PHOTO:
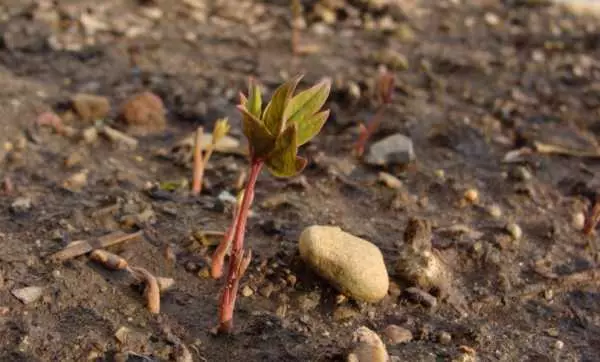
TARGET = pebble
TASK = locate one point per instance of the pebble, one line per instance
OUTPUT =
(515, 231)
(28, 294)
(471, 196)
(90, 107)
(444, 337)
(495, 211)
(247, 291)
(390, 180)
(267, 290)
(394, 149)
(144, 113)
(368, 347)
(578, 220)
(352, 265)
(396, 335)
(21, 205)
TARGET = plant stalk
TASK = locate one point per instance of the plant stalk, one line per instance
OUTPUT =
(367, 131)
(236, 260)
(198, 164)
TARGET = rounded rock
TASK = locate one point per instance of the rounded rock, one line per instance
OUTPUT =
(352, 265)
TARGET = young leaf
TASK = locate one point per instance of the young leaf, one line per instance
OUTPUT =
(310, 127)
(273, 115)
(307, 103)
(220, 130)
(260, 140)
(254, 103)
(282, 160)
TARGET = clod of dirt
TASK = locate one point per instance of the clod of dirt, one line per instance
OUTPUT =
(397, 335)
(368, 347)
(143, 114)
(90, 107)
(394, 149)
(21, 205)
(28, 294)
(352, 265)
(418, 263)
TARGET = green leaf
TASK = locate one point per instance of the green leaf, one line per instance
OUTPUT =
(261, 141)
(307, 102)
(273, 115)
(282, 161)
(310, 127)
(254, 103)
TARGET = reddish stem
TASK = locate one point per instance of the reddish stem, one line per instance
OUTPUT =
(367, 132)
(230, 292)
(198, 174)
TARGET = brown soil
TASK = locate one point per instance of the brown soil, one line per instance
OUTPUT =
(481, 80)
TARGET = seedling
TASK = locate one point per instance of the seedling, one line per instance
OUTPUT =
(219, 131)
(385, 90)
(274, 135)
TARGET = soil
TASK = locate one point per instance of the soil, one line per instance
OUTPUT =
(474, 81)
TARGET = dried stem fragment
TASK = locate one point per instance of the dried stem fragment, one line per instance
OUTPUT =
(109, 260)
(81, 247)
(152, 289)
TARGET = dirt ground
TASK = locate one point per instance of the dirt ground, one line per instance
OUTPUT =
(474, 82)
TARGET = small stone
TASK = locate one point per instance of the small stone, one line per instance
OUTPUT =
(21, 205)
(122, 333)
(396, 335)
(267, 290)
(394, 149)
(89, 135)
(578, 220)
(559, 344)
(76, 181)
(471, 196)
(552, 332)
(422, 297)
(352, 265)
(368, 347)
(491, 19)
(247, 291)
(515, 231)
(90, 107)
(495, 211)
(144, 113)
(390, 180)
(28, 294)
(444, 337)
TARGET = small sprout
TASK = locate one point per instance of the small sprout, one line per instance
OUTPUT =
(274, 133)
(220, 130)
(384, 92)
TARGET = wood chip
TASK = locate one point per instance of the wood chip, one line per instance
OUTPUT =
(81, 247)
